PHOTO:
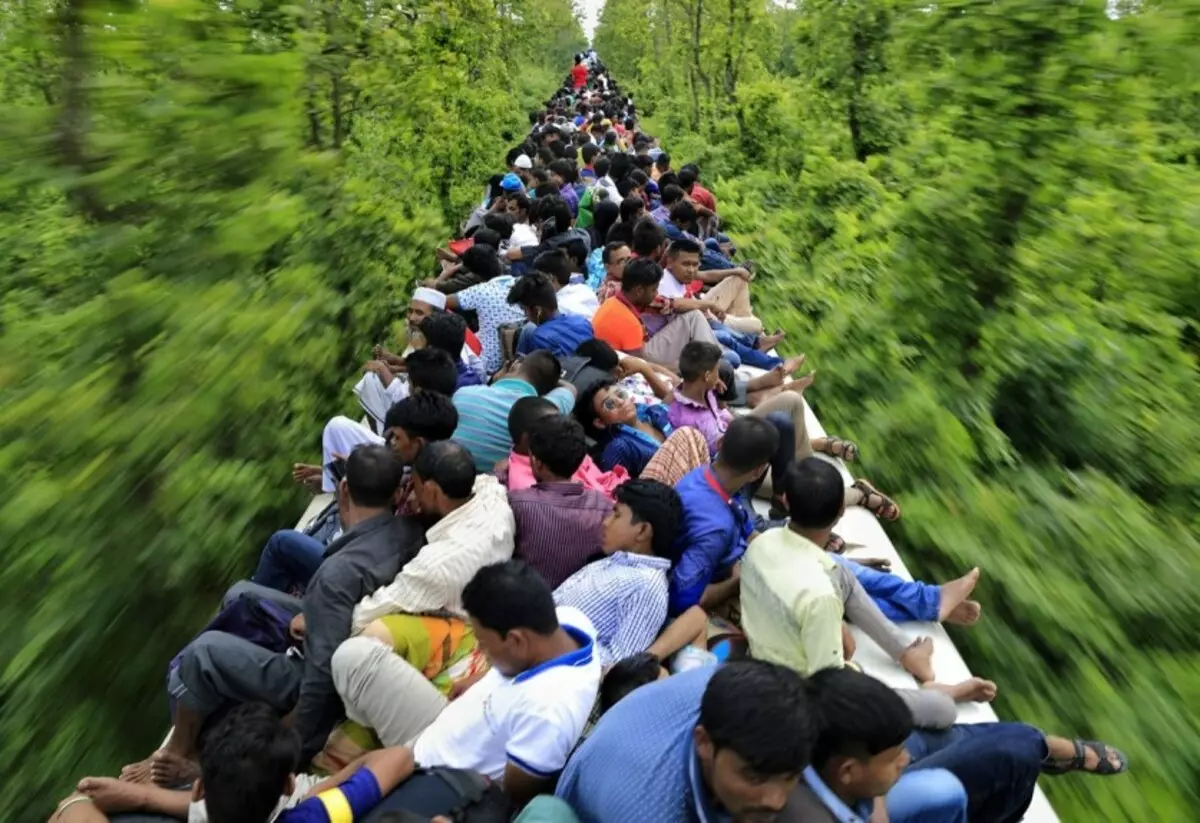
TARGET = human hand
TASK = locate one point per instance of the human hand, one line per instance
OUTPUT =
(745, 274)
(298, 628)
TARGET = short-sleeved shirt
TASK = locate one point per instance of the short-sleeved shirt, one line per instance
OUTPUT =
(490, 302)
(703, 196)
(791, 609)
(580, 299)
(708, 417)
(561, 335)
(640, 762)
(715, 528)
(345, 803)
(670, 287)
(618, 326)
(483, 417)
(532, 720)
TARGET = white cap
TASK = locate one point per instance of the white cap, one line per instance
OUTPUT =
(523, 162)
(431, 296)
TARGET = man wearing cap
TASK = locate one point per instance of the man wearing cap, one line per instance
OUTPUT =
(511, 183)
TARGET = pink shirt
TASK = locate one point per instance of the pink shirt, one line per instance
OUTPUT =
(708, 417)
(520, 475)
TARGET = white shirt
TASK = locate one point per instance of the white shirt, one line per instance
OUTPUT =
(476, 534)
(670, 287)
(523, 235)
(577, 298)
(532, 720)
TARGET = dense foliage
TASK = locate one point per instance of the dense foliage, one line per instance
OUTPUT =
(208, 213)
(982, 222)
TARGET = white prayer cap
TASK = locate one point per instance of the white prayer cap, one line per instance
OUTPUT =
(431, 296)
(523, 162)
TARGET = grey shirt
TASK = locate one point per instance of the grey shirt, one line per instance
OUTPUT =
(364, 558)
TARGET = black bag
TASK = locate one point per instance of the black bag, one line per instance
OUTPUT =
(325, 525)
(463, 796)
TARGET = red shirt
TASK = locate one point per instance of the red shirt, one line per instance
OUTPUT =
(579, 75)
(704, 197)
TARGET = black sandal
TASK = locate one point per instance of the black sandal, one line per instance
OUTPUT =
(838, 447)
(1078, 763)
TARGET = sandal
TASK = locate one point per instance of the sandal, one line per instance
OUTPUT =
(1078, 763)
(885, 508)
(837, 447)
(835, 544)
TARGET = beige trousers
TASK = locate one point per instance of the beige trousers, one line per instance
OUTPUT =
(666, 345)
(384, 692)
(732, 296)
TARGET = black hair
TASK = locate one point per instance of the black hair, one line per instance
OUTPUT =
(663, 161)
(749, 443)
(542, 369)
(555, 263)
(620, 165)
(644, 161)
(495, 189)
(539, 175)
(557, 208)
(670, 193)
(626, 675)
(245, 763)
(526, 413)
(648, 236)
(815, 492)
(691, 168)
(501, 224)
(604, 216)
(427, 415)
(533, 291)
(565, 150)
(640, 271)
(564, 169)
(485, 236)
(521, 199)
(599, 354)
(585, 407)
(687, 178)
(659, 505)
(609, 248)
(859, 716)
(698, 357)
(759, 711)
(510, 158)
(631, 208)
(481, 259)
(559, 443)
(683, 213)
(577, 255)
(373, 473)
(510, 595)
(445, 330)
(728, 376)
(589, 152)
(448, 464)
(669, 178)
(544, 190)
(431, 370)
(625, 187)
(683, 245)
(639, 177)
(545, 153)
(621, 233)
(602, 166)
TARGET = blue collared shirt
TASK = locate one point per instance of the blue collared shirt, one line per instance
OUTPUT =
(715, 529)
(560, 335)
(632, 448)
(859, 813)
(640, 763)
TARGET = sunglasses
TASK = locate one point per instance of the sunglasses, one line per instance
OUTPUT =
(615, 398)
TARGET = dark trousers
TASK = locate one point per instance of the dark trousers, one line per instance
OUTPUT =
(997, 763)
(288, 561)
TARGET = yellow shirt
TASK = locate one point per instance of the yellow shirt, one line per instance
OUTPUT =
(791, 609)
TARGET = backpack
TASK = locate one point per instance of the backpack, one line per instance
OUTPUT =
(325, 525)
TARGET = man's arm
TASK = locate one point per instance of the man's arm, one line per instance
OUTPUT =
(390, 767)
(714, 276)
(693, 573)
(717, 593)
(111, 796)
(563, 397)
(537, 749)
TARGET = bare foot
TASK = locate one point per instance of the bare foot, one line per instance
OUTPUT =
(917, 659)
(767, 342)
(138, 772)
(971, 690)
(802, 383)
(170, 769)
(112, 796)
(965, 613)
(956, 591)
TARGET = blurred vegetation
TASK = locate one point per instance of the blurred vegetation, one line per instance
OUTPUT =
(982, 222)
(208, 213)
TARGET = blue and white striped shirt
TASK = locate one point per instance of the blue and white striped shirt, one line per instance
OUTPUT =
(483, 417)
(625, 597)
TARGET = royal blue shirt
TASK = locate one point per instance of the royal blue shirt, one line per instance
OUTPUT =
(345, 803)
(640, 762)
(715, 529)
(561, 335)
(631, 447)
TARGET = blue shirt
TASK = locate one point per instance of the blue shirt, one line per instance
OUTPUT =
(715, 528)
(358, 795)
(483, 417)
(625, 597)
(561, 335)
(632, 448)
(596, 271)
(468, 375)
(640, 763)
(860, 812)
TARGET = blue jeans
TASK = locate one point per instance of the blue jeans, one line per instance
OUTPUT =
(288, 561)
(900, 600)
(997, 763)
(927, 796)
(743, 346)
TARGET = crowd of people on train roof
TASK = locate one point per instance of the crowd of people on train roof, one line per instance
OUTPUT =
(542, 592)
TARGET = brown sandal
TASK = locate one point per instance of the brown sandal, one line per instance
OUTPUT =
(885, 508)
(838, 447)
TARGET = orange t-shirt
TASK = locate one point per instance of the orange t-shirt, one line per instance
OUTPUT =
(617, 326)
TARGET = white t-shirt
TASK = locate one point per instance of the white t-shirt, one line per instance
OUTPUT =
(523, 235)
(532, 720)
(577, 298)
(670, 287)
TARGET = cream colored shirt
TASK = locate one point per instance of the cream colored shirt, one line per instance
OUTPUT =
(791, 608)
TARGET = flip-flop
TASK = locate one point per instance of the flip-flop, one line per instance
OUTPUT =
(1078, 763)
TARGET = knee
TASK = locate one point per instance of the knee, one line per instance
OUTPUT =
(783, 423)
(239, 589)
(341, 423)
(940, 791)
(352, 664)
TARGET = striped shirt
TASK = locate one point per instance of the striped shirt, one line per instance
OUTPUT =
(483, 417)
(625, 597)
(560, 526)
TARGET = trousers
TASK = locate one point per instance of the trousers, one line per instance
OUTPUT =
(900, 600)
(288, 561)
(384, 692)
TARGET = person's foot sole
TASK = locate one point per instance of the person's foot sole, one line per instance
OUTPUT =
(802, 383)
(971, 690)
(966, 613)
(917, 659)
(956, 591)
(138, 772)
(170, 769)
(769, 341)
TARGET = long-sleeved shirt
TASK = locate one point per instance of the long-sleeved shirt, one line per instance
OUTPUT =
(716, 526)
(631, 447)
(476, 534)
(560, 335)
(364, 558)
(625, 597)
(559, 527)
(791, 608)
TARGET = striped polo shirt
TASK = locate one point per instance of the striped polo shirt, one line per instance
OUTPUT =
(483, 417)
